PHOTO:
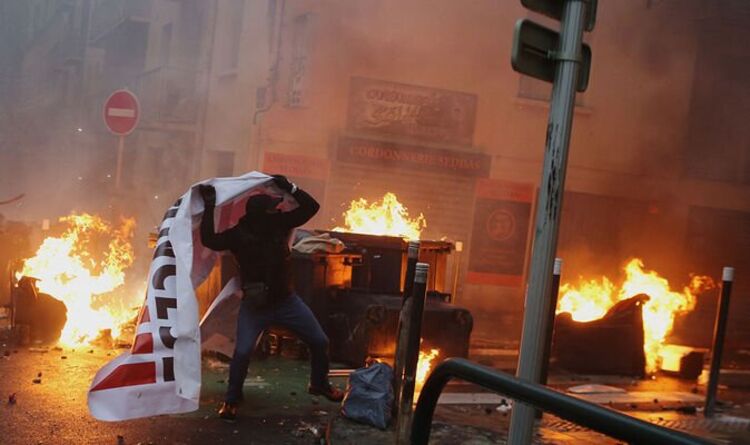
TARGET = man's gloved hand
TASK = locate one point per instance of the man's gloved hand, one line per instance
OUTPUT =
(284, 184)
(208, 193)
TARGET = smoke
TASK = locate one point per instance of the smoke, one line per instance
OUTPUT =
(658, 133)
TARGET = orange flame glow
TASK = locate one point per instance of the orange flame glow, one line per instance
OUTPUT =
(592, 299)
(424, 366)
(82, 267)
(385, 217)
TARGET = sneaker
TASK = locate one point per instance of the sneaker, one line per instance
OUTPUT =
(330, 392)
(228, 412)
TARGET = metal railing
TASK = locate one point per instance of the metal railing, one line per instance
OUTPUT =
(581, 412)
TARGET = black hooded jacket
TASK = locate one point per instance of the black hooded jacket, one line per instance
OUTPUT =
(260, 242)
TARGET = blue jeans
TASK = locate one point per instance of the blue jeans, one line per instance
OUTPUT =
(292, 313)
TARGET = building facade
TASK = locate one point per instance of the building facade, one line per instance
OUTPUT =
(64, 59)
(355, 99)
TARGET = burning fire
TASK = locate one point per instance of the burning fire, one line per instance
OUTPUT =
(82, 267)
(592, 299)
(385, 217)
(423, 369)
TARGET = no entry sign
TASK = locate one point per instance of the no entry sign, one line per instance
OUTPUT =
(121, 112)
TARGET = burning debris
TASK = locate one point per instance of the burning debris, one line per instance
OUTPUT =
(612, 344)
(70, 268)
(40, 315)
(592, 299)
(424, 366)
(385, 217)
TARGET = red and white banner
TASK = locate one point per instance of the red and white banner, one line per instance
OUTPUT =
(161, 374)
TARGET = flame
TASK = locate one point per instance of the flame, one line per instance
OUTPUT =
(385, 217)
(592, 299)
(671, 355)
(82, 267)
(423, 369)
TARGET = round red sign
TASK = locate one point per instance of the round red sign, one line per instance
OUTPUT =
(121, 112)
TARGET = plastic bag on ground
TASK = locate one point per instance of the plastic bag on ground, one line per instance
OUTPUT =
(369, 396)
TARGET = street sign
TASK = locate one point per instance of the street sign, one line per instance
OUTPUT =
(534, 53)
(560, 58)
(553, 8)
(121, 112)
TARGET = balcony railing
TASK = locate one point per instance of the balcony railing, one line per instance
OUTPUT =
(109, 14)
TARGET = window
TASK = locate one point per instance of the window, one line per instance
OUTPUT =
(535, 89)
(224, 163)
(717, 143)
(532, 88)
(230, 49)
(165, 43)
(300, 63)
(273, 24)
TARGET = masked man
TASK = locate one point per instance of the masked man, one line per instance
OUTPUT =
(259, 242)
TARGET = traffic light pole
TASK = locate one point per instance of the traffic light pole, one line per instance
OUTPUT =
(568, 60)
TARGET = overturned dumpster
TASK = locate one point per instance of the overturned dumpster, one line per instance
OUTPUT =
(612, 344)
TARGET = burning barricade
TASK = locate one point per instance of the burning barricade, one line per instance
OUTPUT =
(69, 290)
(605, 329)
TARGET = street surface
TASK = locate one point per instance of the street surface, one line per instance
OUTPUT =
(277, 409)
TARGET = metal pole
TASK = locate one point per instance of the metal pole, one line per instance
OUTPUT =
(720, 328)
(401, 331)
(548, 212)
(12, 294)
(556, 271)
(411, 356)
(457, 271)
(411, 267)
(548, 338)
(118, 167)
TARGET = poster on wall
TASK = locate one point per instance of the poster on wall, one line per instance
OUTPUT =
(500, 233)
(308, 172)
(428, 114)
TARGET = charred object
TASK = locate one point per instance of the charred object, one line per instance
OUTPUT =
(357, 296)
(612, 344)
(36, 316)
